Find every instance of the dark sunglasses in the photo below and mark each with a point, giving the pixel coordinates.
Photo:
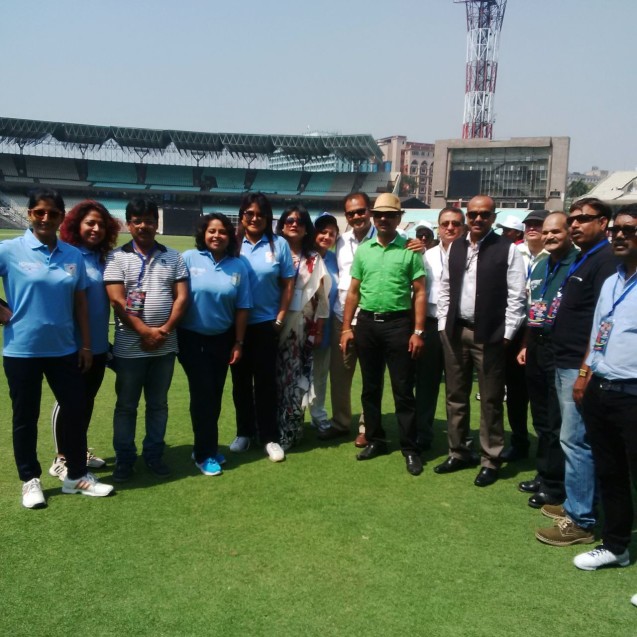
(472, 215)
(359, 212)
(455, 223)
(290, 221)
(249, 215)
(583, 218)
(38, 213)
(378, 214)
(627, 231)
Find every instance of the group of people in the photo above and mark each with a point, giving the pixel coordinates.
(543, 317)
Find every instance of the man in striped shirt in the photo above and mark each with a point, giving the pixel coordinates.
(147, 286)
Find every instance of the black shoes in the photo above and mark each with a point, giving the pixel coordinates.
(486, 477)
(512, 454)
(414, 464)
(372, 450)
(451, 464)
(538, 500)
(529, 486)
(158, 467)
(123, 472)
(331, 433)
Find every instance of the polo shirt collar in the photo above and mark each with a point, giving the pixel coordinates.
(128, 247)
(35, 244)
(399, 240)
(209, 255)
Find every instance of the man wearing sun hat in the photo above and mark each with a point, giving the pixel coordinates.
(384, 275)
(512, 228)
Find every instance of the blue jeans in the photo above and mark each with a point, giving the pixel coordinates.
(579, 477)
(153, 374)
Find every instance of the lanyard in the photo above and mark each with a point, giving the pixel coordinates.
(548, 276)
(145, 261)
(624, 294)
(578, 264)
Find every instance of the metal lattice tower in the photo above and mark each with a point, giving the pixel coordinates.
(484, 23)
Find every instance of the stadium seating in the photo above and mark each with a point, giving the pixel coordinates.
(51, 169)
(342, 184)
(120, 186)
(8, 167)
(276, 182)
(228, 179)
(319, 183)
(116, 173)
(157, 175)
(375, 183)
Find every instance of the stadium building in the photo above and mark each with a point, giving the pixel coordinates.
(187, 173)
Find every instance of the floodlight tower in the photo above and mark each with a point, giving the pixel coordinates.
(484, 23)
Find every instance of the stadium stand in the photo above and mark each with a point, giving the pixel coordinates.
(343, 184)
(51, 168)
(157, 175)
(277, 182)
(375, 183)
(319, 184)
(7, 166)
(116, 173)
(226, 179)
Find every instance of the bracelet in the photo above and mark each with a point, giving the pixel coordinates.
(87, 349)
(583, 373)
(345, 331)
(278, 323)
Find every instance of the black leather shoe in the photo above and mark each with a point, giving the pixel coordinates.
(452, 464)
(529, 486)
(372, 450)
(538, 500)
(331, 433)
(414, 464)
(512, 454)
(486, 477)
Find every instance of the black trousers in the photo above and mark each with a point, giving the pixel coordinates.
(611, 426)
(24, 377)
(92, 383)
(381, 345)
(517, 400)
(205, 360)
(254, 383)
(545, 411)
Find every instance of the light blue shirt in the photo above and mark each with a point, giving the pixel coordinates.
(618, 361)
(332, 268)
(217, 290)
(99, 308)
(265, 270)
(40, 288)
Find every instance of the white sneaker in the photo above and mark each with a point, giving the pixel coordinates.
(58, 468)
(93, 462)
(633, 600)
(598, 557)
(32, 496)
(240, 444)
(275, 452)
(87, 485)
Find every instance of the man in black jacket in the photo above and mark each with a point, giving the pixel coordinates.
(480, 307)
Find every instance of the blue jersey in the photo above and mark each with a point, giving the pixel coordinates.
(40, 288)
(217, 290)
(99, 307)
(266, 268)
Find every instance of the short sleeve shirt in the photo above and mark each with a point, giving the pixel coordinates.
(99, 308)
(40, 286)
(386, 274)
(157, 278)
(217, 290)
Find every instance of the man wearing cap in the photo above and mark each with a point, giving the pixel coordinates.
(430, 365)
(537, 356)
(512, 228)
(383, 277)
(425, 232)
(481, 305)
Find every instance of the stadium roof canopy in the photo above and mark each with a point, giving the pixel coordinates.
(618, 189)
(30, 132)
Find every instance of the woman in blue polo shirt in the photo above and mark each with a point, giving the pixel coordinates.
(45, 283)
(212, 332)
(89, 227)
(269, 263)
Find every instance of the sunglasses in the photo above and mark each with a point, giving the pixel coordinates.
(359, 212)
(38, 213)
(627, 231)
(583, 218)
(249, 215)
(378, 214)
(290, 221)
(455, 223)
(473, 215)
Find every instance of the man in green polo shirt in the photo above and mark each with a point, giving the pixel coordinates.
(384, 275)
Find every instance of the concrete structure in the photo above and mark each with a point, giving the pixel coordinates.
(618, 189)
(521, 172)
(414, 159)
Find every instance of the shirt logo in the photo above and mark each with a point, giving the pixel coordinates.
(269, 257)
(197, 271)
(70, 269)
(236, 279)
(30, 266)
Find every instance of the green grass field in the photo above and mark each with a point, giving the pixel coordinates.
(317, 545)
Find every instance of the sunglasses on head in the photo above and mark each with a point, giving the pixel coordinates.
(359, 212)
(627, 231)
(473, 215)
(455, 223)
(583, 218)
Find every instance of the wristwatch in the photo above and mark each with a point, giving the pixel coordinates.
(420, 333)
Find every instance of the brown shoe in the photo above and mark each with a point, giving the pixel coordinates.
(553, 511)
(360, 441)
(564, 533)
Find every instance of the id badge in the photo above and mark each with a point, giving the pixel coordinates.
(295, 303)
(135, 302)
(552, 313)
(603, 334)
(537, 314)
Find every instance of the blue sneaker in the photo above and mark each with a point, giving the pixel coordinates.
(210, 467)
(220, 458)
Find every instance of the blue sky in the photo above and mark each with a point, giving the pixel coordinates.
(567, 67)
